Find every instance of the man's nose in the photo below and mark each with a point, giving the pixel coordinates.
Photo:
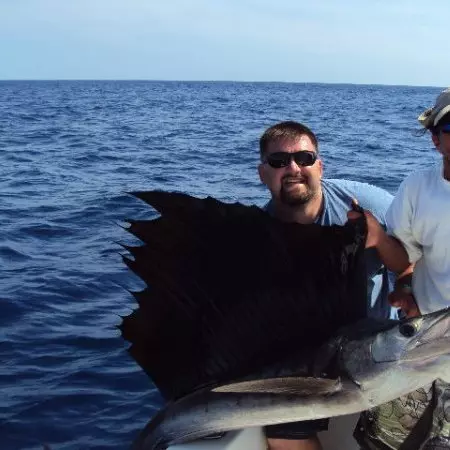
(293, 166)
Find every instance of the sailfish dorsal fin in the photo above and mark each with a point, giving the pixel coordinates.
(231, 289)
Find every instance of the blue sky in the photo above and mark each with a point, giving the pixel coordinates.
(344, 41)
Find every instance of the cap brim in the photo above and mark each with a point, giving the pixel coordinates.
(426, 118)
(441, 114)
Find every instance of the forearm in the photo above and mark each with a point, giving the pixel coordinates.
(392, 254)
(391, 251)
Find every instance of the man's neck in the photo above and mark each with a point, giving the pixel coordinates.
(304, 214)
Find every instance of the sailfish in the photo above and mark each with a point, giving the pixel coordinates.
(247, 320)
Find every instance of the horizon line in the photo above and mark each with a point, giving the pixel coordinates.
(149, 80)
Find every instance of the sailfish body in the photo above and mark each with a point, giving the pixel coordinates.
(250, 321)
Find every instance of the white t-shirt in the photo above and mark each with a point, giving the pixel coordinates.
(419, 217)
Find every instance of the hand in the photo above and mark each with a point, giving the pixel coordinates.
(405, 301)
(375, 231)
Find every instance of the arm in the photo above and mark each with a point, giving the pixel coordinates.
(391, 251)
(395, 258)
(397, 253)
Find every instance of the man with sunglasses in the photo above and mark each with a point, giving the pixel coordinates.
(292, 170)
(418, 241)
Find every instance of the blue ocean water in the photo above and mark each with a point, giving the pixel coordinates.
(70, 152)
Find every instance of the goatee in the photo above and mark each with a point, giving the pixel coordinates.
(296, 198)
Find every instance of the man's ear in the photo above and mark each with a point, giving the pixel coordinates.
(320, 162)
(261, 172)
(436, 141)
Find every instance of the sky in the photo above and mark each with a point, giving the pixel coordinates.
(400, 42)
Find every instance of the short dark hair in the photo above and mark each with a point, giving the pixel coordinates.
(285, 130)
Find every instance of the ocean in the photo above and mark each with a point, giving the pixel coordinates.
(70, 153)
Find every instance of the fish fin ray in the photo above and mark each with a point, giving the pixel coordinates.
(301, 386)
(231, 289)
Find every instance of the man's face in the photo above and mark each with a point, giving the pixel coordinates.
(442, 142)
(293, 184)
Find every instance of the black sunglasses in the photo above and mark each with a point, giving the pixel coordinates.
(283, 159)
(445, 128)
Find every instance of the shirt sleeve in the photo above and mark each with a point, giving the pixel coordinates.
(399, 218)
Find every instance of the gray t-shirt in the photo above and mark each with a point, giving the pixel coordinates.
(338, 195)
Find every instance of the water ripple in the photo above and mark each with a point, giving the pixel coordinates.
(71, 151)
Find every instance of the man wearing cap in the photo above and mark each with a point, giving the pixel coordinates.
(418, 242)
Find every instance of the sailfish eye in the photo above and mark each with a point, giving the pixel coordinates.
(407, 329)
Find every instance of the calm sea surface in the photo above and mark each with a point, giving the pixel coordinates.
(70, 151)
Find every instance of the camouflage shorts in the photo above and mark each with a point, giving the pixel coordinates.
(387, 426)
